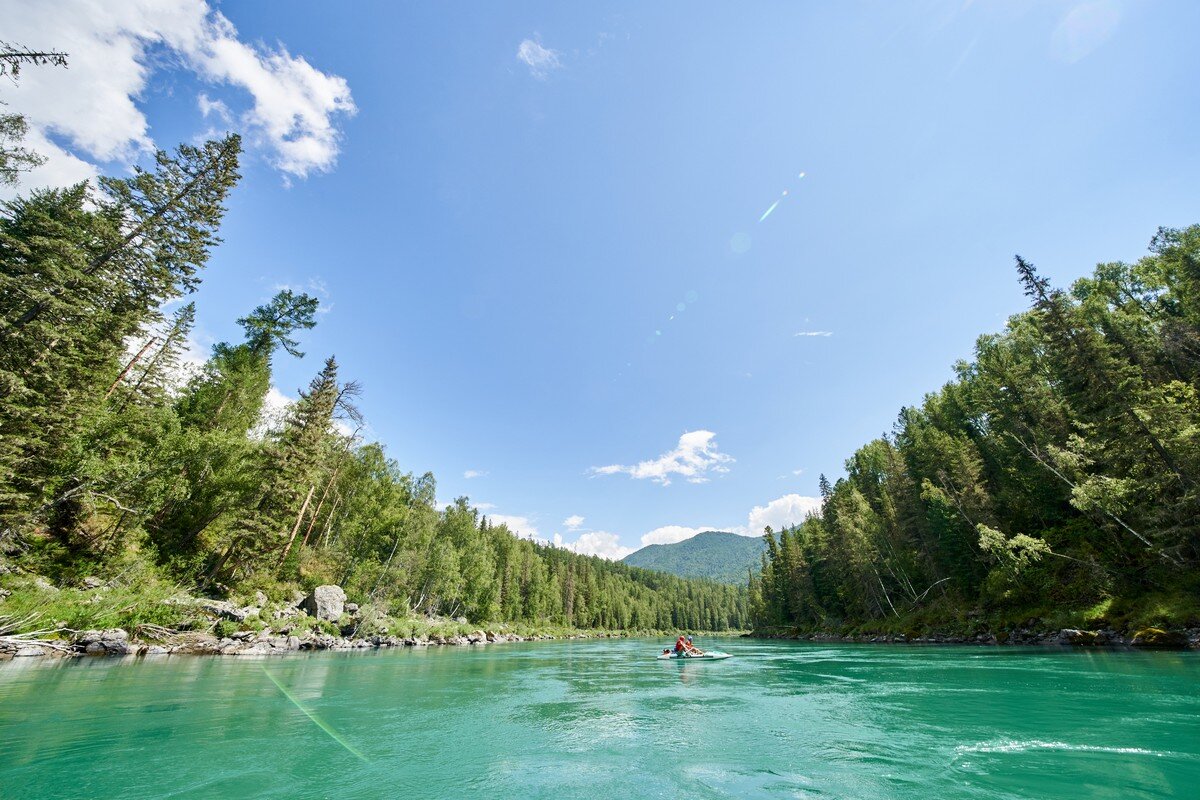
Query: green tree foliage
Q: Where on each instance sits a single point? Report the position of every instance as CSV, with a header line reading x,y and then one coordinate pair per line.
x,y
1058,469
110,452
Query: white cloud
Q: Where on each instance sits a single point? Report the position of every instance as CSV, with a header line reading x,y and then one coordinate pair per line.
x,y
596,543
474,473
693,458
273,414
782,512
815,333
572,522
540,60
521,526
209,106
669,534
114,48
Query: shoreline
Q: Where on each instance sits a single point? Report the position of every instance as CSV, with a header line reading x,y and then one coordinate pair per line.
x,y
1144,639
116,642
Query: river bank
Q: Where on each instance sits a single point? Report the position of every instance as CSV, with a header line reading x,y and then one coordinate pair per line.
x,y
1147,638
71,623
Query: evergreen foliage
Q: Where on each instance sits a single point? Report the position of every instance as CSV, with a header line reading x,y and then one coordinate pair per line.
x,y
113,458
1058,469
716,555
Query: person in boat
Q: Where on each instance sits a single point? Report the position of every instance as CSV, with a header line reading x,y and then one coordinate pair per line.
x,y
692,649
681,646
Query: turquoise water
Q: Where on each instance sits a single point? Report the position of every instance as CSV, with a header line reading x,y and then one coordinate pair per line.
x,y
606,720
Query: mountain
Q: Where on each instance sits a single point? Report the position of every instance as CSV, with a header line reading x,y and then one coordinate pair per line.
x,y
723,557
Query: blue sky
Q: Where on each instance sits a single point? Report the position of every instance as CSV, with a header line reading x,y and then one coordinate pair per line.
x,y
536,227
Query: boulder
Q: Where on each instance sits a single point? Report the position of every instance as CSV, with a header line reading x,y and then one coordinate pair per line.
x,y
226,609
260,599
112,641
326,602
1156,637
28,651
1078,638
44,585
92,582
352,609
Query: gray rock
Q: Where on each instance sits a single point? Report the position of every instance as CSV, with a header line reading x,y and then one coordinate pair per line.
x,y
293,643
351,608
156,650
260,599
461,620
226,609
28,651
44,585
326,602
92,582
1078,638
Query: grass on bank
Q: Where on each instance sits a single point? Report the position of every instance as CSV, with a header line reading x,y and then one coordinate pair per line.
x,y
137,597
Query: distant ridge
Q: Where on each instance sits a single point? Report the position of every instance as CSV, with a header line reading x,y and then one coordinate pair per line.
x,y
716,555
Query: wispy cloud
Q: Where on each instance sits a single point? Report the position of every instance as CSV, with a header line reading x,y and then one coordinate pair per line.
x,y
540,60
521,526
815,333
208,107
694,459
475,473
572,522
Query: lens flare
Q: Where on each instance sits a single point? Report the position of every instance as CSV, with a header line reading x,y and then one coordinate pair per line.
x,y
767,213
320,723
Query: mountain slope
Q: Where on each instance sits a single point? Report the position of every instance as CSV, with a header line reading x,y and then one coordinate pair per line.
x,y
723,557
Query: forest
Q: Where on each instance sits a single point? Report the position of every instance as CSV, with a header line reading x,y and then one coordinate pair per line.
x,y
1054,479
117,462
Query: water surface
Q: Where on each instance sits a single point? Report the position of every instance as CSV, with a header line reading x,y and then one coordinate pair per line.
x,y
603,719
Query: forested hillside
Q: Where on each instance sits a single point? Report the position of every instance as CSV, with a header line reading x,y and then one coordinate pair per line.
x,y
724,557
112,465
1055,476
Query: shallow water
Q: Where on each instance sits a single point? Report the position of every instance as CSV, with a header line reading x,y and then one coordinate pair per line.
x,y
604,719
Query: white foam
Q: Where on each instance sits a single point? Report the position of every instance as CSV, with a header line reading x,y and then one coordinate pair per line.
x,y
1021,747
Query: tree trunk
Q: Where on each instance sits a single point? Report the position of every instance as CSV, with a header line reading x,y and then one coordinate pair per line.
x,y
296,528
129,366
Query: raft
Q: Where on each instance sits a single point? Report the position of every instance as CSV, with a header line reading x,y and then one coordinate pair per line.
x,y
710,655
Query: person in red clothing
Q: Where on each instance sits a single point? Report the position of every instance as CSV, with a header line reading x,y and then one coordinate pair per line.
x,y
681,645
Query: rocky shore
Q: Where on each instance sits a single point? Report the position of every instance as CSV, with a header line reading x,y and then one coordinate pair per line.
x,y
290,630
117,642
1147,638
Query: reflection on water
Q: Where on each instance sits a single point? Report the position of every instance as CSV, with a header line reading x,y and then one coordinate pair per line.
x,y
606,719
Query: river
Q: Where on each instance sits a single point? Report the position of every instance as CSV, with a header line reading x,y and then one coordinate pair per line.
x,y
603,719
